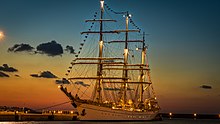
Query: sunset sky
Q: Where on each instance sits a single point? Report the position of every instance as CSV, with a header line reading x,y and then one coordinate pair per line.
x,y
184,53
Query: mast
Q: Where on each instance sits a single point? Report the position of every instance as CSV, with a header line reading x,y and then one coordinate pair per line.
x,y
125,72
125,66
97,92
142,71
99,68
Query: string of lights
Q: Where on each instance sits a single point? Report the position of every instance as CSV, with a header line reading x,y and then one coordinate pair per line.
x,y
92,24
81,46
115,12
132,22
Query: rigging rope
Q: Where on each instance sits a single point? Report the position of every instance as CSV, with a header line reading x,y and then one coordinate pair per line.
x,y
81,45
115,12
109,53
54,105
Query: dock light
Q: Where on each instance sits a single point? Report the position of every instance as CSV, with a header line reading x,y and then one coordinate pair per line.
x,y
71,112
137,48
170,114
129,15
194,114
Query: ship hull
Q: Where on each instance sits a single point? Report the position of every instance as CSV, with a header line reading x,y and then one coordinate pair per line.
x,y
99,113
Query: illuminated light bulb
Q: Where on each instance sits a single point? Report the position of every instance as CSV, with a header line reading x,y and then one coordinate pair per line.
x,y
170,114
1,35
101,42
126,51
194,114
130,102
129,15
102,4
137,49
59,86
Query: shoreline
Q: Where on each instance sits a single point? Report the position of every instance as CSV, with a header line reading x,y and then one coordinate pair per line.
x,y
21,116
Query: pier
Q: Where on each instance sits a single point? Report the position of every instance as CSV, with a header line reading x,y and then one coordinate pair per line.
x,y
21,116
27,114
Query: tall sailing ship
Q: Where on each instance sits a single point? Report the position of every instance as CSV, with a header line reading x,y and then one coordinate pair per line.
x,y
109,78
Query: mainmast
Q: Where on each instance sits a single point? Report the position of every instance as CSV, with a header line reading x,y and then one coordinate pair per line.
x,y
125,66
99,69
143,53
125,72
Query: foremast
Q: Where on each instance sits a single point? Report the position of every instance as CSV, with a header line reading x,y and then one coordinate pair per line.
x,y
97,96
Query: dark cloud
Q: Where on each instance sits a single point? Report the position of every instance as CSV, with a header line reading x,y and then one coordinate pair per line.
x,y
21,48
3,74
44,74
206,87
51,48
6,68
34,75
70,49
63,81
81,83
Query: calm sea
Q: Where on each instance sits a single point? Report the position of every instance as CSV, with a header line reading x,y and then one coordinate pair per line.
x,y
165,121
